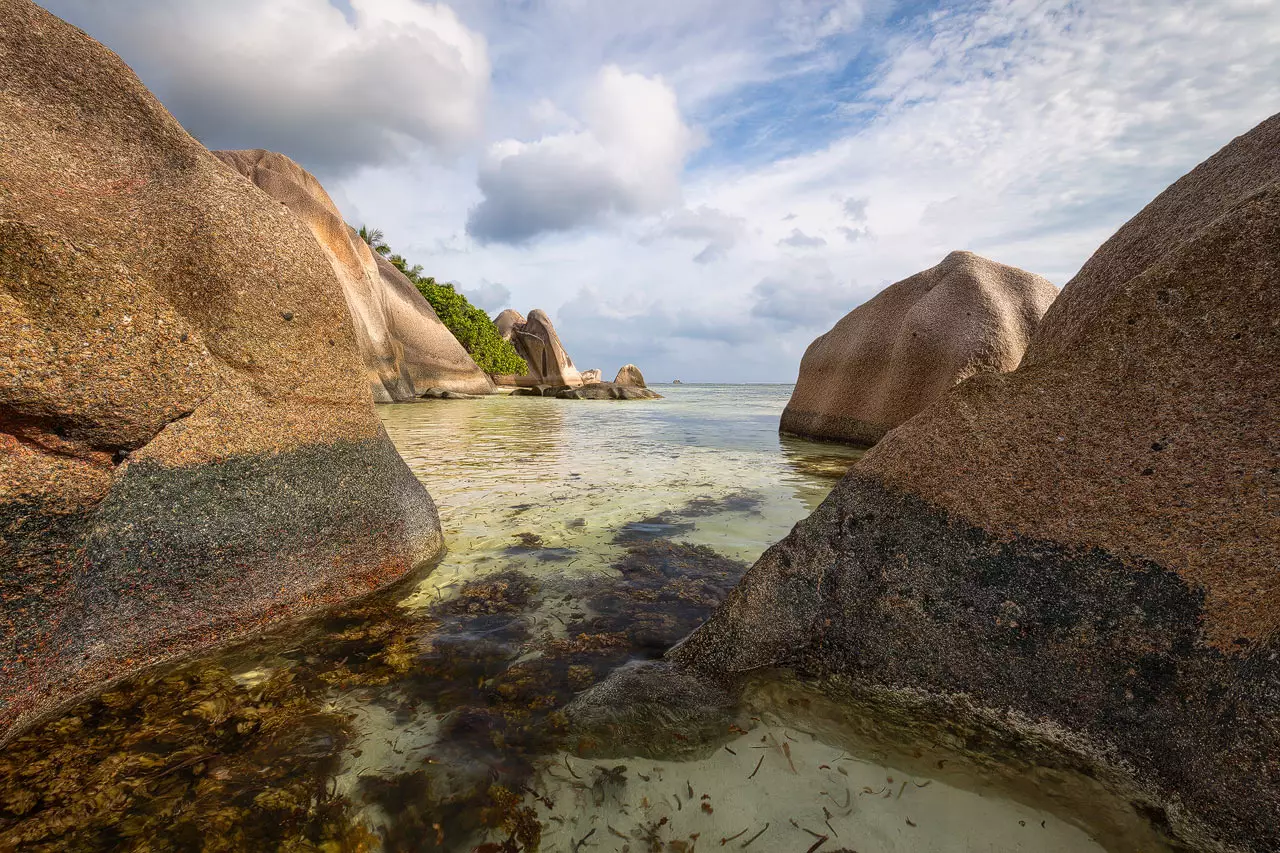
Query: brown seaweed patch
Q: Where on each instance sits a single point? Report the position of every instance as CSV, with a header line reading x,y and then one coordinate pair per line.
x,y
667,589
182,760
742,501
506,592
190,756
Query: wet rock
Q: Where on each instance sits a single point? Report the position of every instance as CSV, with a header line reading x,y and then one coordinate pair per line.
x,y
895,354
1084,545
653,710
607,391
442,394
178,464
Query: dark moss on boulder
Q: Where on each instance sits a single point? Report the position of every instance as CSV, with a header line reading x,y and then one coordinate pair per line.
x,y
188,449
1085,548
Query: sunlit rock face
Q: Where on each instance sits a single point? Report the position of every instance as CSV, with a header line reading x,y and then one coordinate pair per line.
x,y
895,354
536,341
404,346
1087,546
629,374
188,448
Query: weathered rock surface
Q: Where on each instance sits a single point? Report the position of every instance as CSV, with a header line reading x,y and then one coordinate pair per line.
x,y
1090,542
895,354
590,376
536,341
187,445
607,391
406,349
441,394
629,374
594,391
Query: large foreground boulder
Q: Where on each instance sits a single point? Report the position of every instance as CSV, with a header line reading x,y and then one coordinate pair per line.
x,y
188,449
1087,548
895,354
406,349
536,341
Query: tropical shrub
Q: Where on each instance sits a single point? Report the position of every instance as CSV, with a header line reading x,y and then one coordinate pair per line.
x,y
472,327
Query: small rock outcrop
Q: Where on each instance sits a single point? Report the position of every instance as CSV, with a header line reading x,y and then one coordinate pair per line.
x,y
898,352
536,341
188,450
591,376
591,391
608,391
1085,548
629,375
405,347
441,394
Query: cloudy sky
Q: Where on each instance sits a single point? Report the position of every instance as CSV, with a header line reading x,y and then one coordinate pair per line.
x,y
703,186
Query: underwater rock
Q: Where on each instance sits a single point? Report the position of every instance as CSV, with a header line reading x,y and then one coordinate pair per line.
x,y
188,449
1087,545
654,710
404,345
536,341
506,592
666,589
895,354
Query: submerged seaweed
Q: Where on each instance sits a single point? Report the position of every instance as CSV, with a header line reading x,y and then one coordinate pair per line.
x,y
666,590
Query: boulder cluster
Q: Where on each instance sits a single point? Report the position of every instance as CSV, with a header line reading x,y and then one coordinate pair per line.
x,y
551,372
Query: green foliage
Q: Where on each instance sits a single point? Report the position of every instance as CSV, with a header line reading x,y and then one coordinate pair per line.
x,y
375,238
472,327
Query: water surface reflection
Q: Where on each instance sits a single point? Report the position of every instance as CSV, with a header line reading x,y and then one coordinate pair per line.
x,y
582,536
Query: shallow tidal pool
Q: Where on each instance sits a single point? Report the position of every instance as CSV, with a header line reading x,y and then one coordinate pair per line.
x,y
583,537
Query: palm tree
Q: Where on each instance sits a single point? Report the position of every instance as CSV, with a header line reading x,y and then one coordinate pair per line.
x,y
375,238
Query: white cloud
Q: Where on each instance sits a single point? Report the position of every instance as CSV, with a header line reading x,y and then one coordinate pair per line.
x,y
1027,130
489,296
298,76
717,230
627,159
797,239
1024,130
806,298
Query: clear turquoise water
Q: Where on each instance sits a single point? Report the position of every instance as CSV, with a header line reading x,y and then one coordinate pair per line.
x,y
582,535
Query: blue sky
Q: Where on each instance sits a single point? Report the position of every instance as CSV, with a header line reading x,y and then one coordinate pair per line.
x,y
701,187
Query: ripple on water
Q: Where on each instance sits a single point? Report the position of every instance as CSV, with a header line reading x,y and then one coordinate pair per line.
x,y
582,536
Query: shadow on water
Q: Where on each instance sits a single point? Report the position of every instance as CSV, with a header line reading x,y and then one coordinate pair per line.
x,y
585,539
244,750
